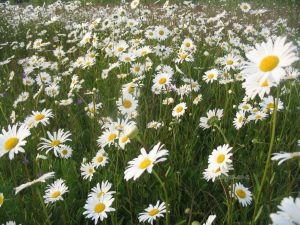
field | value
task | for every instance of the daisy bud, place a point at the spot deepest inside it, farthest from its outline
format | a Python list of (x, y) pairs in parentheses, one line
[(132, 132), (196, 223)]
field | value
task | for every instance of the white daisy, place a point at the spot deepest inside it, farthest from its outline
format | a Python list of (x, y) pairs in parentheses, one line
[(179, 110), (55, 141), (87, 170), (220, 157), (100, 159), (153, 212), (13, 140), (242, 193), (97, 208), (55, 191), (100, 190), (212, 116), (145, 161)]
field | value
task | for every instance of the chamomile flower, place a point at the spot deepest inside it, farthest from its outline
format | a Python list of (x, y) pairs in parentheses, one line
[(127, 104), (145, 161), (13, 140), (108, 137), (162, 80), (55, 141), (212, 116), (65, 151), (220, 157), (101, 190), (268, 60), (100, 159), (242, 193), (239, 120), (245, 7), (41, 117), (55, 191), (211, 75), (268, 104), (179, 110), (153, 212), (288, 213), (213, 171), (97, 208), (87, 171)]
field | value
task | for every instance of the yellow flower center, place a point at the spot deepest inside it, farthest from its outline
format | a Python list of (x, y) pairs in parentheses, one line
[(120, 49), (210, 76), (179, 109), (153, 212), (1, 199), (131, 89), (10, 143), (216, 170), (183, 55), (39, 117), (127, 104), (55, 194), (111, 137), (161, 32), (55, 143), (187, 44), (64, 152), (162, 80), (269, 63), (136, 68), (241, 119), (100, 159), (270, 106), (91, 170), (99, 208), (127, 59), (229, 62), (220, 158), (240, 193), (145, 163)]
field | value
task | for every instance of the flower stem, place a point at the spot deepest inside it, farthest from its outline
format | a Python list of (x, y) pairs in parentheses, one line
[(260, 188), (162, 184), (222, 133)]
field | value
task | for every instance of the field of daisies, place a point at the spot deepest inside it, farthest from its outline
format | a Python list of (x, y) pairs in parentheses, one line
[(163, 114)]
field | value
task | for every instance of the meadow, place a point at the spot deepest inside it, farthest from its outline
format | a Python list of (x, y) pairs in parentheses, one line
[(150, 112)]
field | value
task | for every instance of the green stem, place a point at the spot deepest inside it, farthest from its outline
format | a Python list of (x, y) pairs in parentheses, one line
[(222, 133), (162, 184), (263, 180)]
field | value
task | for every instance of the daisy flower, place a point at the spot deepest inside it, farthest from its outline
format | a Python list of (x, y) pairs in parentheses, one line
[(87, 170), (220, 157), (289, 212), (214, 171), (127, 104), (212, 116), (55, 141), (55, 191), (211, 75), (65, 151), (256, 85), (145, 161), (97, 208), (108, 137), (245, 7), (13, 140), (153, 212), (239, 120), (242, 193), (101, 190), (268, 104), (179, 110), (100, 159), (269, 59), (283, 156), (162, 80), (41, 117)]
